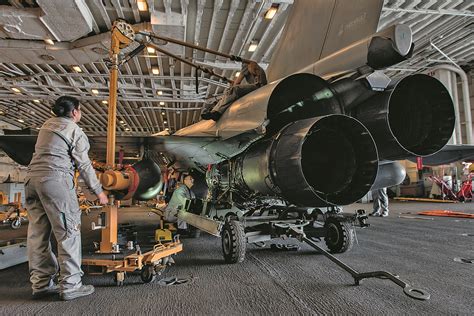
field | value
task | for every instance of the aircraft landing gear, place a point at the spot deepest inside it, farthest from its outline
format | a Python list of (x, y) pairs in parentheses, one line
[(340, 234), (233, 242)]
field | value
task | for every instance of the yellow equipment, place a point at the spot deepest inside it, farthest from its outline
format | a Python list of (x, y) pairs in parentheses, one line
[(14, 213), (109, 257)]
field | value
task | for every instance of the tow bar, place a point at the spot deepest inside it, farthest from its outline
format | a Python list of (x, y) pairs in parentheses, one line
[(412, 292)]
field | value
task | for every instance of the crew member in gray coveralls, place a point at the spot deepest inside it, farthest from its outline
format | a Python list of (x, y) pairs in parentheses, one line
[(178, 199), (51, 201), (255, 77), (380, 202)]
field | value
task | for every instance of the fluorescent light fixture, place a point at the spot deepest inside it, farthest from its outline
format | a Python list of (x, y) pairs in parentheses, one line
[(271, 12), (237, 74), (36, 101), (95, 91), (253, 46), (150, 50), (142, 5), (160, 92), (155, 70), (77, 68), (48, 41), (105, 102), (162, 103), (16, 90), (21, 121)]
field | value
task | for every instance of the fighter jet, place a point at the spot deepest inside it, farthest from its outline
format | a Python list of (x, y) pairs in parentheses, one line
[(326, 130)]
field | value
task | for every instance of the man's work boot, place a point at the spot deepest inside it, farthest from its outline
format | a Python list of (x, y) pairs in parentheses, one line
[(71, 294), (374, 214), (46, 291), (384, 214)]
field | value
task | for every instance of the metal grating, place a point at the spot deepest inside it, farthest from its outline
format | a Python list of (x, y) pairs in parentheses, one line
[(441, 28)]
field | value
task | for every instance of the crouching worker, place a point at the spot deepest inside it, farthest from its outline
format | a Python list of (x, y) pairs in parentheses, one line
[(178, 201), (255, 77), (51, 201)]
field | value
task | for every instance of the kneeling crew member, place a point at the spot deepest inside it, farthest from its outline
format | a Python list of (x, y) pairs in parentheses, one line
[(178, 200)]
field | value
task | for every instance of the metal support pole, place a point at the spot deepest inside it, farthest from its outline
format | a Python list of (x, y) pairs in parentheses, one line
[(186, 44), (112, 111), (206, 70), (109, 233)]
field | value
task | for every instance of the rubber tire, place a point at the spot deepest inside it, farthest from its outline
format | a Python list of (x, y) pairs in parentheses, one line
[(233, 242), (16, 223), (340, 235), (147, 273)]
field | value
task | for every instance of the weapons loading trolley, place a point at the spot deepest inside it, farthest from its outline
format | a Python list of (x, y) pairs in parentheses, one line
[(150, 261)]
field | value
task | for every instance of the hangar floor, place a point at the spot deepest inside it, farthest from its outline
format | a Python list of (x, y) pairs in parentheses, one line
[(421, 251)]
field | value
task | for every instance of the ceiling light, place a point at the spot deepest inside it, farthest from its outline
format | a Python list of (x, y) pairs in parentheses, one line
[(178, 112), (253, 46), (49, 41), (142, 6), (77, 68), (127, 129), (21, 121), (150, 50), (162, 103), (121, 122), (164, 122), (271, 12), (37, 128), (160, 92), (105, 102), (16, 90), (36, 101), (237, 73), (163, 113), (167, 129), (95, 91), (1, 112), (155, 70)]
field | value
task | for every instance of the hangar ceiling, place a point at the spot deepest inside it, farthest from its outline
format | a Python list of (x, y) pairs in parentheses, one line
[(157, 93)]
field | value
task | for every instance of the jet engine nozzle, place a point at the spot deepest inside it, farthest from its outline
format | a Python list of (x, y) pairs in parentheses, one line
[(330, 160), (414, 117)]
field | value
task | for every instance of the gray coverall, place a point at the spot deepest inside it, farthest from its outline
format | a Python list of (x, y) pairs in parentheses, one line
[(235, 92), (178, 199), (52, 203), (380, 201)]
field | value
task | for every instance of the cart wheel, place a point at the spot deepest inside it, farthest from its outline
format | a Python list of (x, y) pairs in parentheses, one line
[(340, 235), (16, 223), (119, 278), (147, 273), (233, 242)]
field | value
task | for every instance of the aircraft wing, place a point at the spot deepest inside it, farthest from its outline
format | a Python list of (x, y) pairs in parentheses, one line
[(317, 28), (183, 151), (449, 154)]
